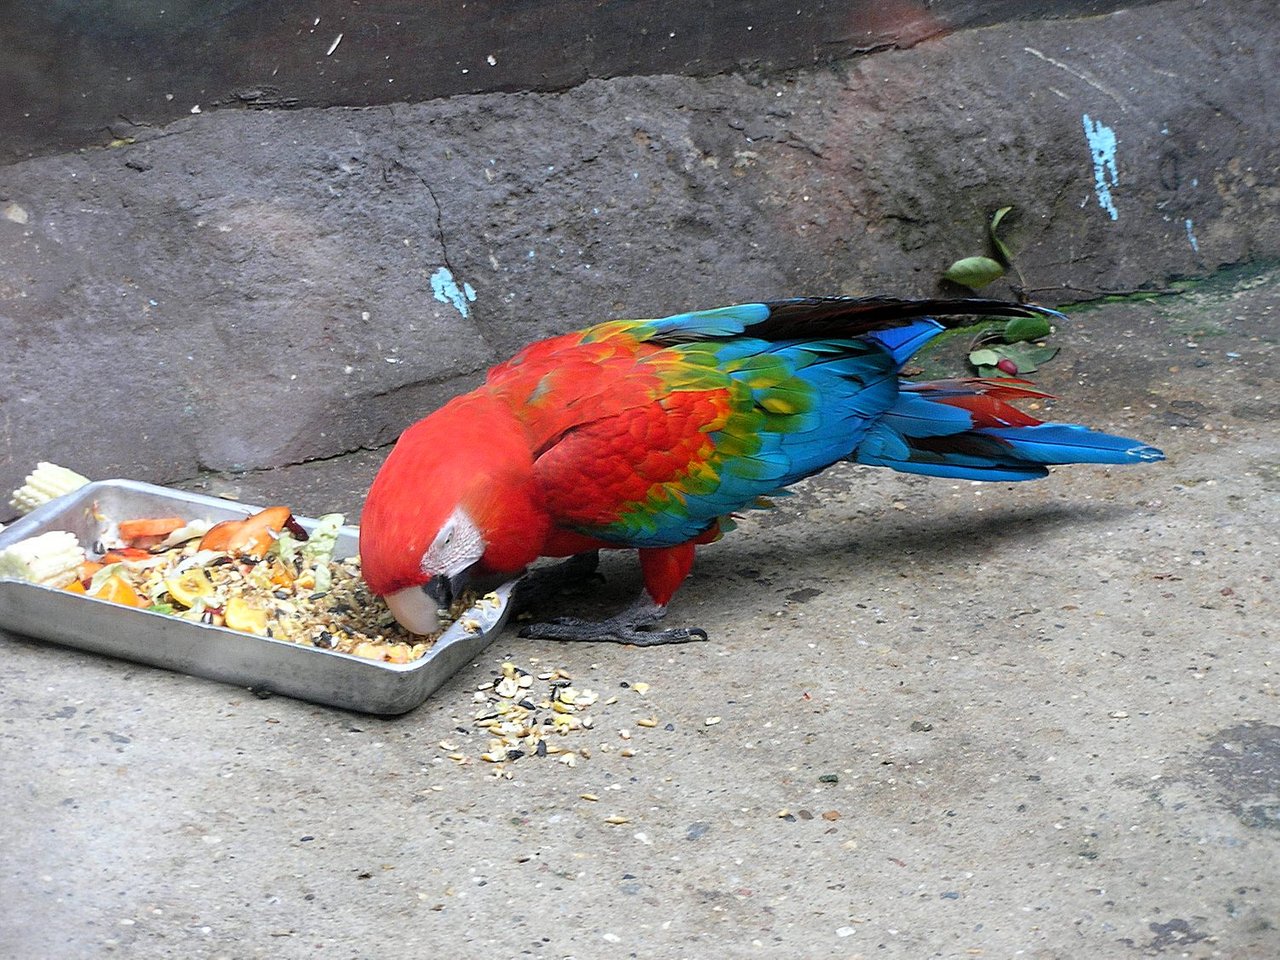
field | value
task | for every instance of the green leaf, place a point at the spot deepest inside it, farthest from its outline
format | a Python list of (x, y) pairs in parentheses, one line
[(1005, 256), (985, 371), (1026, 328), (973, 272), (984, 358), (1042, 354)]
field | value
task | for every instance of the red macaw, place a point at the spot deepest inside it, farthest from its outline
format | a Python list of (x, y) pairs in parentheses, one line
[(650, 434)]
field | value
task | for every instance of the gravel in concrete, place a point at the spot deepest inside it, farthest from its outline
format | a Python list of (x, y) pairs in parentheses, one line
[(1034, 720)]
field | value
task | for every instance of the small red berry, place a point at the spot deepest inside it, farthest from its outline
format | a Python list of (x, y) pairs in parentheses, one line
[(1007, 366)]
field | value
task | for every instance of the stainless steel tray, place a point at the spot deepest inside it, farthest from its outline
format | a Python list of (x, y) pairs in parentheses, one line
[(261, 663)]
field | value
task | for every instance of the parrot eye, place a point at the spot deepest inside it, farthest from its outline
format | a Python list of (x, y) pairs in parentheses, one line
[(444, 538)]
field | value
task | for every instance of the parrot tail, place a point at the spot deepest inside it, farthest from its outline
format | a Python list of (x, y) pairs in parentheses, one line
[(810, 318), (967, 430)]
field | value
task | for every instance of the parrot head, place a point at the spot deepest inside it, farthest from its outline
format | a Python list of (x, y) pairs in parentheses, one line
[(455, 497)]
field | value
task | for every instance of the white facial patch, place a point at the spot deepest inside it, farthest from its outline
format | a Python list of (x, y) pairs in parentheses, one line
[(457, 546)]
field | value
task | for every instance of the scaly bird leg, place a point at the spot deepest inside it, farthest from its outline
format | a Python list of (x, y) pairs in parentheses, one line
[(540, 585), (633, 625)]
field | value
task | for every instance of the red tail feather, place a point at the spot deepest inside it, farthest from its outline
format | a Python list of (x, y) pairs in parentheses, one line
[(985, 399)]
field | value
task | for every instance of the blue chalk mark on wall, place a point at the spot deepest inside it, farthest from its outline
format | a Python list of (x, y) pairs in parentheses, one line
[(1102, 147), (447, 291), (1191, 236)]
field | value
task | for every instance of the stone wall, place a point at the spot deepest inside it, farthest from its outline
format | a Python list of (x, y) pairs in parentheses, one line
[(239, 290), (75, 73)]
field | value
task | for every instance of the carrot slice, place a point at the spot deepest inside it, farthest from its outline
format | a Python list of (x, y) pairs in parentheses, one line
[(250, 536), (75, 586), (122, 554), (147, 527), (117, 590)]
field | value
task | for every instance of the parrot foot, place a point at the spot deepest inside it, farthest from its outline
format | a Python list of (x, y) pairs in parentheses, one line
[(634, 625)]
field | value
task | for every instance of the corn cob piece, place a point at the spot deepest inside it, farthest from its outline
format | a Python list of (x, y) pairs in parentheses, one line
[(47, 482), (50, 559)]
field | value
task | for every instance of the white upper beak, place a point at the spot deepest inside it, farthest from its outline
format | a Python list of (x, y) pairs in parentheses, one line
[(414, 610)]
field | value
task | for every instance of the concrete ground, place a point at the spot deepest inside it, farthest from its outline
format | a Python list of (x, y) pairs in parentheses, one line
[(1034, 720)]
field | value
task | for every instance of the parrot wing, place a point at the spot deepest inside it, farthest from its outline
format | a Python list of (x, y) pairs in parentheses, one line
[(569, 380), (648, 433)]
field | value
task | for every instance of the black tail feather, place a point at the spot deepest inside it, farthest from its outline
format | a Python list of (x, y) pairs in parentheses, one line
[(816, 317)]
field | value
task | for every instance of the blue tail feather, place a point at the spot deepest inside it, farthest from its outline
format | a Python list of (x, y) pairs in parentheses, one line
[(920, 434), (1073, 443)]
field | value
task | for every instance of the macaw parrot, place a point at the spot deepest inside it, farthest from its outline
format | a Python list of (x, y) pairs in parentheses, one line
[(651, 434)]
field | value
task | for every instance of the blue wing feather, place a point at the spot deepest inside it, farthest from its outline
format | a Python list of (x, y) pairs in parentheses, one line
[(816, 381)]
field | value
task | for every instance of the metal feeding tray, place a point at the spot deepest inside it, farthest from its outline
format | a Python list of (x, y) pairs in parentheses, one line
[(203, 650)]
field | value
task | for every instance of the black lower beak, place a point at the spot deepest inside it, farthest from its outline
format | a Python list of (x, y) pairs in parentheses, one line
[(444, 590)]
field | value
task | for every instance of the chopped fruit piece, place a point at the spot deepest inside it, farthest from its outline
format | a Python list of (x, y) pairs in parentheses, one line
[(150, 529), (124, 555), (87, 569), (117, 590), (251, 536), (243, 616), (189, 587)]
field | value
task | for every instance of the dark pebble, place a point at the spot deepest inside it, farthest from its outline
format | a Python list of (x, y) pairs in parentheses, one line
[(697, 830), (829, 778), (920, 726), (305, 839)]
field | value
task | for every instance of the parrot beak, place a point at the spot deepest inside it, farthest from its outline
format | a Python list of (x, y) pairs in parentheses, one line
[(414, 609), (417, 608), (444, 589)]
